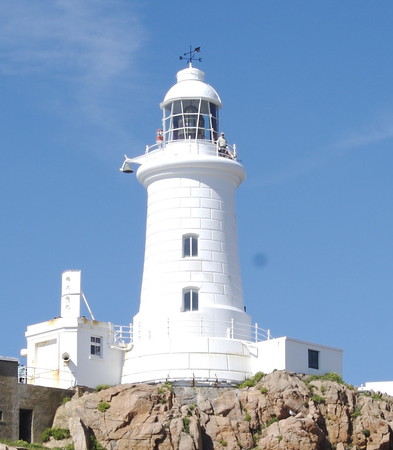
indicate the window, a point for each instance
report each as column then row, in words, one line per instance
column 190, row 245
column 95, row 346
column 190, row 300
column 190, row 119
column 313, row 359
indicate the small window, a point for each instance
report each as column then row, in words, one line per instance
column 190, row 300
column 95, row 346
column 190, row 245
column 313, row 359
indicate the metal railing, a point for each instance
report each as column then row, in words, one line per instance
column 44, row 376
column 194, row 147
column 124, row 335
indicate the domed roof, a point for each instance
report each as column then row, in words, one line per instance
column 190, row 84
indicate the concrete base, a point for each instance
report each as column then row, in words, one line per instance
column 199, row 360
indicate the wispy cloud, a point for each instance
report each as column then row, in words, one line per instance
column 373, row 135
column 90, row 45
column 68, row 36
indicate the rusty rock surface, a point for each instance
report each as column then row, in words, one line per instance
column 281, row 411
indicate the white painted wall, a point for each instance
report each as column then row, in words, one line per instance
column 290, row 354
column 47, row 342
column 385, row 387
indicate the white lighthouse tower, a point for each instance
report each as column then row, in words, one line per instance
column 191, row 322
column 191, row 326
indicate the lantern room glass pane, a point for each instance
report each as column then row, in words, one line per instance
column 190, row 119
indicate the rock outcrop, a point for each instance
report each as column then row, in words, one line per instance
column 282, row 411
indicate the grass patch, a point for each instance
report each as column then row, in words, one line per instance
column 94, row 444
column 66, row 400
column 356, row 413
column 318, row 399
column 101, row 387
column 186, row 424
column 57, row 433
column 20, row 443
column 223, row 443
column 263, row 390
column 330, row 376
column 272, row 420
column 251, row 382
column 103, row 406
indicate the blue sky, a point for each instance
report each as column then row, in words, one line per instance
column 307, row 98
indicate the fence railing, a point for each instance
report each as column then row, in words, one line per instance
column 44, row 376
column 196, row 146
column 124, row 335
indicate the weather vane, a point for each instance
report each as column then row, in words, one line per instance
column 190, row 56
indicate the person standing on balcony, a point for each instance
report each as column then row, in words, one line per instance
column 222, row 145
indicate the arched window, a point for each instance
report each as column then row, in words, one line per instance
column 190, row 245
column 190, row 299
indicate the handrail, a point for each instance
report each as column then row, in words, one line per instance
column 161, row 146
column 124, row 335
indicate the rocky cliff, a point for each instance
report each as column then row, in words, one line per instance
column 277, row 411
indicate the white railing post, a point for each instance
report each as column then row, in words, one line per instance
column 201, row 326
column 268, row 335
column 232, row 324
column 168, row 327
column 256, row 332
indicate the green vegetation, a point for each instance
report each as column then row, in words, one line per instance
column 94, row 444
column 318, row 399
column 223, row 443
column 263, row 390
column 66, row 400
column 251, row 382
column 57, row 433
column 20, row 443
column 366, row 432
column 166, row 387
column 374, row 396
column 280, row 437
column 101, row 387
column 330, row 376
column 247, row 417
column 272, row 420
column 186, row 424
column 103, row 406
column 356, row 413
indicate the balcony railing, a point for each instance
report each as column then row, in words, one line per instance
column 124, row 335
column 195, row 146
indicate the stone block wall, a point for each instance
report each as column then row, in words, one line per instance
column 25, row 410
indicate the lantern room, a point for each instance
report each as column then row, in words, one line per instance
column 190, row 108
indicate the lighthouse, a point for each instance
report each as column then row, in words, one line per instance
column 192, row 326
column 191, row 322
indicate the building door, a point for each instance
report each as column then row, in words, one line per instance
column 25, row 423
